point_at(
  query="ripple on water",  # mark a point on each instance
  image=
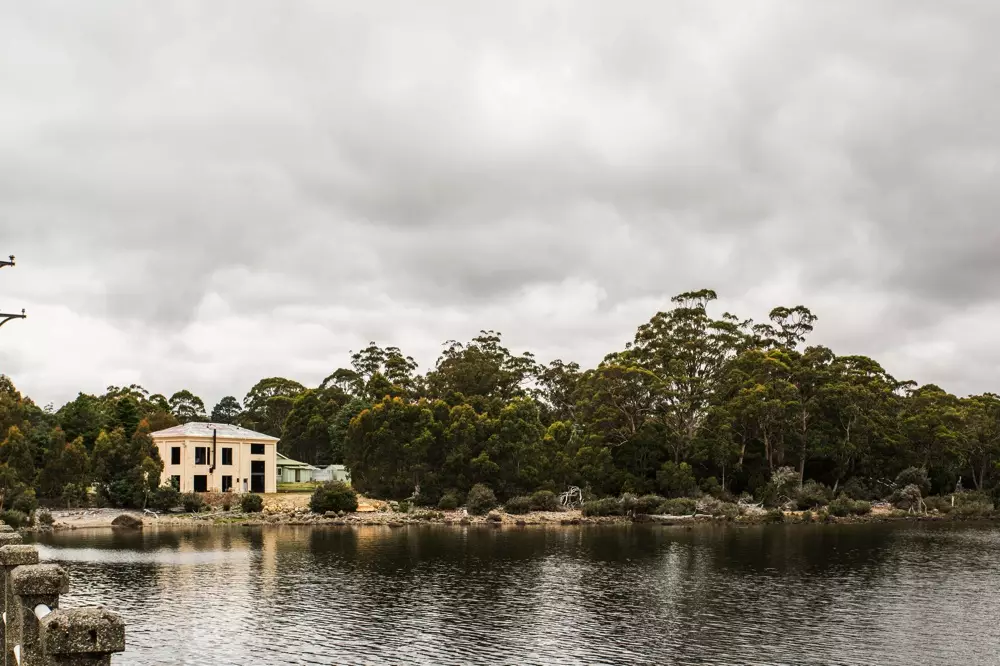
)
(623, 595)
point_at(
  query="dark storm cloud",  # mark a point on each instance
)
(205, 193)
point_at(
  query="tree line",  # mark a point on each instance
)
(694, 403)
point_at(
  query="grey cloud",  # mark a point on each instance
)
(411, 167)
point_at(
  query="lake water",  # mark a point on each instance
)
(854, 594)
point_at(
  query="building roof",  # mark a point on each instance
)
(224, 430)
(284, 461)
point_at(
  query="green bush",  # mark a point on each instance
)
(916, 476)
(861, 508)
(402, 506)
(675, 480)
(26, 503)
(448, 502)
(647, 504)
(15, 519)
(227, 505)
(938, 503)
(857, 489)
(679, 506)
(812, 495)
(609, 506)
(544, 500)
(45, 518)
(74, 495)
(251, 503)
(518, 505)
(840, 507)
(783, 484)
(333, 496)
(727, 510)
(165, 498)
(191, 502)
(480, 500)
(973, 509)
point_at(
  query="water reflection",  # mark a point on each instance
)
(643, 594)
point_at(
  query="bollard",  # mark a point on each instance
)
(82, 637)
(33, 585)
(11, 556)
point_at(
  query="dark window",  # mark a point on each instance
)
(227, 456)
(175, 455)
(256, 449)
(175, 481)
(298, 476)
(257, 476)
(201, 455)
(201, 483)
(227, 481)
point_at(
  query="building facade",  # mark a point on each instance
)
(217, 457)
(333, 473)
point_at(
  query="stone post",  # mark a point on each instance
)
(34, 585)
(11, 556)
(82, 637)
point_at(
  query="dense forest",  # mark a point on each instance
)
(692, 404)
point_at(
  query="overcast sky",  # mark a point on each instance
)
(201, 194)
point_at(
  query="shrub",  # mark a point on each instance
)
(448, 502)
(544, 500)
(402, 506)
(781, 487)
(518, 505)
(914, 476)
(45, 518)
(26, 502)
(840, 507)
(480, 500)
(647, 504)
(251, 503)
(333, 496)
(15, 519)
(717, 508)
(861, 508)
(191, 502)
(676, 480)
(812, 495)
(977, 509)
(909, 497)
(774, 516)
(227, 505)
(679, 506)
(165, 498)
(75, 495)
(858, 489)
(938, 503)
(609, 506)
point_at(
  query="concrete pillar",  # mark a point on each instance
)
(82, 637)
(34, 585)
(11, 556)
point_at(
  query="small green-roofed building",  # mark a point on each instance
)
(293, 471)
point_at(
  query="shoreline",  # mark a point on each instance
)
(103, 518)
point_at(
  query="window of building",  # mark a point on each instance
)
(175, 481)
(257, 449)
(201, 483)
(175, 455)
(201, 455)
(227, 482)
(227, 456)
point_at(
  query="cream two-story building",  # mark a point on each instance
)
(217, 457)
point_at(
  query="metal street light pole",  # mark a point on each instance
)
(4, 316)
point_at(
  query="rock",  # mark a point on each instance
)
(331, 514)
(520, 523)
(465, 521)
(127, 521)
(494, 517)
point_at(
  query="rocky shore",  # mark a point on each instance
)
(372, 513)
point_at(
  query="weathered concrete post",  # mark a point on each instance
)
(12, 554)
(82, 637)
(34, 585)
